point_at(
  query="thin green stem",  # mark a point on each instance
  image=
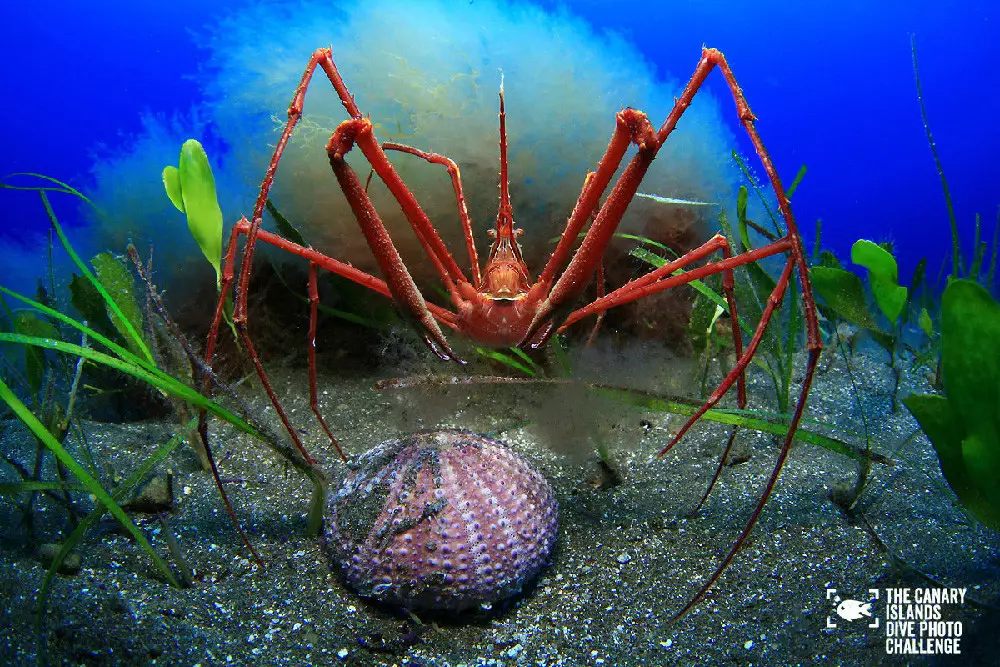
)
(956, 267)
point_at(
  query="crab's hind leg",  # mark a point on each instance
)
(313, 393)
(711, 59)
(320, 58)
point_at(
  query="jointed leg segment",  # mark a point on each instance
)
(400, 282)
(425, 313)
(313, 393)
(456, 184)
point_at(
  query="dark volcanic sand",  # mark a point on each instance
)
(626, 560)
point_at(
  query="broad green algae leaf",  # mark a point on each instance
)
(843, 292)
(172, 183)
(883, 276)
(28, 324)
(926, 325)
(191, 188)
(114, 275)
(970, 329)
(964, 426)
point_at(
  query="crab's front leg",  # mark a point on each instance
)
(404, 289)
(632, 128)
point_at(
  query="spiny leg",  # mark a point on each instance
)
(313, 397)
(773, 302)
(634, 290)
(661, 278)
(456, 184)
(630, 292)
(339, 268)
(315, 258)
(244, 335)
(358, 130)
(712, 58)
(611, 213)
(404, 289)
(320, 58)
(632, 127)
(225, 283)
(649, 285)
(421, 224)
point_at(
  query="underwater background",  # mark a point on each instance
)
(831, 82)
(101, 95)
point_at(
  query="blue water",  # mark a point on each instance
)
(831, 83)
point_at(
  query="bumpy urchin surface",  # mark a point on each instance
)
(443, 520)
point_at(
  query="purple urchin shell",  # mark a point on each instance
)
(442, 520)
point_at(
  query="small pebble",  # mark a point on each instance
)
(155, 497)
(342, 653)
(624, 558)
(749, 644)
(70, 565)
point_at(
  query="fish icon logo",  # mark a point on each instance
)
(852, 610)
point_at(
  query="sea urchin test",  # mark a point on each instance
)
(444, 520)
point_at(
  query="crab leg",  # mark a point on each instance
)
(633, 127)
(315, 258)
(320, 58)
(456, 184)
(773, 301)
(404, 289)
(712, 58)
(366, 141)
(587, 257)
(313, 394)
(660, 279)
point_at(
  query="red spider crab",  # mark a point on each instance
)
(500, 305)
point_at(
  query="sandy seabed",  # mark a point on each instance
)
(627, 558)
